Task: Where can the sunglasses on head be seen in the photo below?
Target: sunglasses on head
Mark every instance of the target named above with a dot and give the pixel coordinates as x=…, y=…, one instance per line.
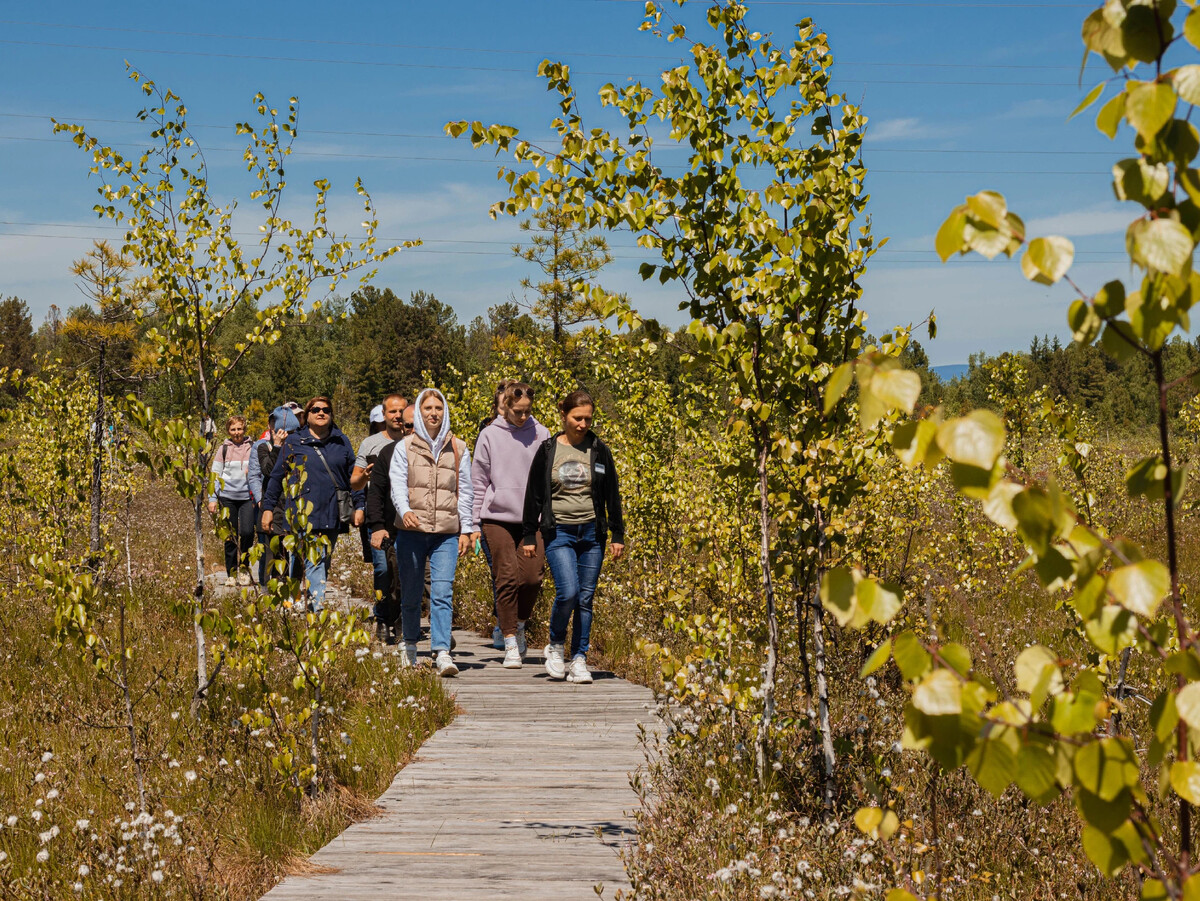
x=518, y=393
x=319, y=409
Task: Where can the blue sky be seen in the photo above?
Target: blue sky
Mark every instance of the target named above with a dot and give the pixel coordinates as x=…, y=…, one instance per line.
x=962, y=96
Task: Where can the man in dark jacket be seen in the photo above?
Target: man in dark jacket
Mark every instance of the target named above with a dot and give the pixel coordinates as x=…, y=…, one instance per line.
x=381, y=514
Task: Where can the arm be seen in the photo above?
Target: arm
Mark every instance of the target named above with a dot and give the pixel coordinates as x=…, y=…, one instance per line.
x=466, y=494
x=360, y=474
x=535, y=496
x=481, y=475
x=274, y=487
x=254, y=474
x=612, y=501
x=217, y=483
x=398, y=476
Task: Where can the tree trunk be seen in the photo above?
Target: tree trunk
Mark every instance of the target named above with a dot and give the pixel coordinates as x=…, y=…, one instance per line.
x=314, y=745
x=768, y=682
x=198, y=606
x=818, y=610
x=97, y=500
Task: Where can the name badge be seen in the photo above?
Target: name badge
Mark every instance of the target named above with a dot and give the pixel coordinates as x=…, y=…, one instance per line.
x=599, y=469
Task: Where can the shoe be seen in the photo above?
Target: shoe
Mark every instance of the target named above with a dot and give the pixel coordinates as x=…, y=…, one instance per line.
x=578, y=671
x=392, y=637
x=522, y=644
x=497, y=638
x=381, y=631
x=554, y=661
x=230, y=581
x=512, y=658
x=408, y=654
x=445, y=665
x=243, y=578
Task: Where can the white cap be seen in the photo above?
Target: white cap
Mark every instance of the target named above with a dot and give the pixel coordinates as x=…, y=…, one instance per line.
x=377, y=413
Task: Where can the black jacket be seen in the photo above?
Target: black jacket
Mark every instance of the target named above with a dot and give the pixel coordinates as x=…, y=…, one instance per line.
x=381, y=512
x=606, y=494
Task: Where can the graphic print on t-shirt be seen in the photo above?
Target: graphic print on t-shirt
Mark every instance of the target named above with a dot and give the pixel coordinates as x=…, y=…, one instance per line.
x=573, y=474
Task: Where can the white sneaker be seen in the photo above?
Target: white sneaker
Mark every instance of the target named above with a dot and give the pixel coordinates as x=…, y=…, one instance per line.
x=408, y=654
x=554, y=661
x=512, y=658
x=522, y=644
x=243, y=578
x=497, y=638
x=445, y=665
x=230, y=581
x=578, y=671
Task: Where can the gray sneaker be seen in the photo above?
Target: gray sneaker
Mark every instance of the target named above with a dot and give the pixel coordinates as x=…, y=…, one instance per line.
x=522, y=644
x=554, y=662
x=497, y=638
x=445, y=665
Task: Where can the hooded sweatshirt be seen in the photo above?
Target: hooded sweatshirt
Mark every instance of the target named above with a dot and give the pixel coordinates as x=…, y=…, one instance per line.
x=500, y=472
x=231, y=465
x=398, y=470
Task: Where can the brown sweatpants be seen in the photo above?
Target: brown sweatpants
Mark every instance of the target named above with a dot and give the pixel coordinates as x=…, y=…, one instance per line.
x=518, y=579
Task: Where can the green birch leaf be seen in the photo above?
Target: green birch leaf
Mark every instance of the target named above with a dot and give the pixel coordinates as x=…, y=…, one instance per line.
x=1035, y=772
x=1191, y=28
x=876, y=601
x=976, y=439
x=1031, y=664
x=838, y=382
x=910, y=655
x=1087, y=101
x=1140, y=587
x=878, y=658
x=993, y=765
x=1149, y=106
x=939, y=694
x=1186, y=80
x=1047, y=260
x=1185, y=779
x=1108, y=120
x=949, y=240
x=989, y=207
x=1107, y=853
x=1187, y=704
x=1160, y=244
x=837, y=594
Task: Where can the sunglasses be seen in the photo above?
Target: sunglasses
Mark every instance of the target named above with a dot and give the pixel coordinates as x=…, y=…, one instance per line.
x=312, y=410
x=518, y=393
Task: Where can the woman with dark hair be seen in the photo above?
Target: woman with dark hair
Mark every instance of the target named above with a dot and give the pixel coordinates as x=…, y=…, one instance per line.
x=503, y=454
x=231, y=492
x=326, y=458
x=573, y=499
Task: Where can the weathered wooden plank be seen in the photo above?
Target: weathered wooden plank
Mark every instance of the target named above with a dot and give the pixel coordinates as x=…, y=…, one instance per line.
x=525, y=794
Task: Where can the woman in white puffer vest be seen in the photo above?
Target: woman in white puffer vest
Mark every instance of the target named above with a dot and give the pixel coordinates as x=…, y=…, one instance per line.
x=431, y=491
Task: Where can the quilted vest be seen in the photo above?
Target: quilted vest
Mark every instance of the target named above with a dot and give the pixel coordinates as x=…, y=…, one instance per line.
x=433, y=485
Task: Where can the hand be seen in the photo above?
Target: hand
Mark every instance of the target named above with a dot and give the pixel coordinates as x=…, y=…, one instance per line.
x=367, y=470
x=617, y=550
x=529, y=550
x=358, y=517
x=278, y=438
x=411, y=521
x=377, y=539
x=212, y=507
x=268, y=517
x=464, y=544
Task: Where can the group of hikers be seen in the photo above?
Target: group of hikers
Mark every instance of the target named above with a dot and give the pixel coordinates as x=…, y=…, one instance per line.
x=421, y=500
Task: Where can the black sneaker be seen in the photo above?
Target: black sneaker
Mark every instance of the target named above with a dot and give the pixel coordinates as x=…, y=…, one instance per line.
x=392, y=637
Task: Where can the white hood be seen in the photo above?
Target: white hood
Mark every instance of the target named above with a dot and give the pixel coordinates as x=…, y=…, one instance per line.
x=435, y=443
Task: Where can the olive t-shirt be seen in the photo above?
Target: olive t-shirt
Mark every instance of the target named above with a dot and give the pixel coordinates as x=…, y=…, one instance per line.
x=571, y=481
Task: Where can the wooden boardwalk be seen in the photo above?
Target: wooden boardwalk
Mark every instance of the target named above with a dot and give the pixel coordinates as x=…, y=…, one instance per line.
x=525, y=795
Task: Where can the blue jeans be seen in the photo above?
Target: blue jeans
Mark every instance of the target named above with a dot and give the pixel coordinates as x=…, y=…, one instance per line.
x=575, y=558
x=381, y=580
x=315, y=573
x=412, y=550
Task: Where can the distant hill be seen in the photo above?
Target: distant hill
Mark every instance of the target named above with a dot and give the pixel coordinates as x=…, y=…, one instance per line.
x=951, y=371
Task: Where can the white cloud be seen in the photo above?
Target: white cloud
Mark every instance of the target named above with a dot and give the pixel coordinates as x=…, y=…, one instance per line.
x=898, y=130
x=1106, y=219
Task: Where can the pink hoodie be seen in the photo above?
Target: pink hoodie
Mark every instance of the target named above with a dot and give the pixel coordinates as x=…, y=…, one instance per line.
x=500, y=469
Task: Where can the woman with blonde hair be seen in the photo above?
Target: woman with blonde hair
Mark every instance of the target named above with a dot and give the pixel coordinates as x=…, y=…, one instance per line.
x=231, y=493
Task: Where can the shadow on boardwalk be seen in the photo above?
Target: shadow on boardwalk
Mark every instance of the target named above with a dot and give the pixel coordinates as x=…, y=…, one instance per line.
x=525, y=795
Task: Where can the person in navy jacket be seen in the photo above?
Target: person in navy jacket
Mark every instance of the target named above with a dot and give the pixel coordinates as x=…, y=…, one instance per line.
x=327, y=459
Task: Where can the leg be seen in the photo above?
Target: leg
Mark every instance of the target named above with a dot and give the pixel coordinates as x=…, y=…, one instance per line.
x=443, y=561
x=591, y=558
x=410, y=561
x=229, y=508
x=530, y=576
x=315, y=574
x=381, y=580
x=505, y=576
x=265, y=559
x=560, y=555
x=247, y=511
x=389, y=607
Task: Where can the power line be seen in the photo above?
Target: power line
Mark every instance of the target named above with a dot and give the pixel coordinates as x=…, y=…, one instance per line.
x=493, y=162
x=523, y=71
x=494, y=50
x=660, y=146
